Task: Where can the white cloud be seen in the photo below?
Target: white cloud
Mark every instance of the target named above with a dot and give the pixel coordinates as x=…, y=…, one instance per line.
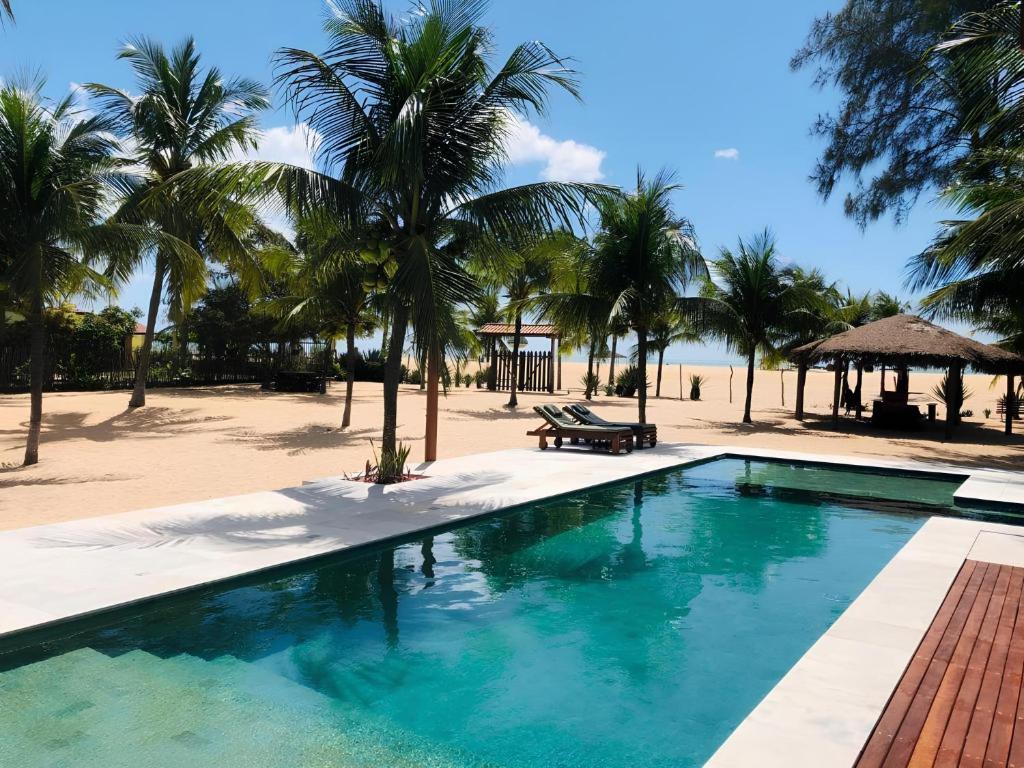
x=563, y=160
x=731, y=153
x=295, y=145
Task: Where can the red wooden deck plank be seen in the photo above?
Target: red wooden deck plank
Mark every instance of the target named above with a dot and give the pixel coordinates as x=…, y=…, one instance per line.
x=998, y=751
x=960, y=700
x=889, y=724
x=955, y=737
x=984, y=717
x=939, y=708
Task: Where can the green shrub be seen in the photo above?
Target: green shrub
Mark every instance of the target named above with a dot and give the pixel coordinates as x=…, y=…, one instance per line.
x=390, y=465
x=942, y=390
x=696, y=382
x=628, y=381
x=481, y=377
x=413, y=377
x=590, y=382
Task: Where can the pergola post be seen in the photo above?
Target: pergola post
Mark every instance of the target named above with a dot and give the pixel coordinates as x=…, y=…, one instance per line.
x=551, y=367
x=953, y=386
x=492, y=371
x=559, y=384
x=1011, y=404
x=837, y=391
x=801, y=380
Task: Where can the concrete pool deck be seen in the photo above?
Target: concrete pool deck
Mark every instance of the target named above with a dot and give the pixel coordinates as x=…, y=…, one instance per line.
x=819, y=714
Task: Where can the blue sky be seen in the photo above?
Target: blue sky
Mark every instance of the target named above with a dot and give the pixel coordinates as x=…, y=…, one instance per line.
x=664, y=83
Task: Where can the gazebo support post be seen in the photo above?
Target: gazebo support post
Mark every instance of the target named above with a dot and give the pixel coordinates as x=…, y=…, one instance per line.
x=801, y=380
x=857, y=391
x=558, y=385
x=837, y=391
x=1011, y=406
x=492, y=371
x=551, y=368
x=953, y=385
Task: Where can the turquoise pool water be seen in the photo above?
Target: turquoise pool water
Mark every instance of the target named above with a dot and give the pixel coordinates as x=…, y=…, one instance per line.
x=632, y=625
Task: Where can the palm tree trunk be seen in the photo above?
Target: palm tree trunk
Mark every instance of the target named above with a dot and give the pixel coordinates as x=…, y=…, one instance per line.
x=641, y=366
x=36, y=374
x=750, y=387
x=393, y=376
x=350, y=373
x=433, y=374
x=590, y=369
x=142, y=368
x=513, y=401
x=611, y=365
x=661, y=361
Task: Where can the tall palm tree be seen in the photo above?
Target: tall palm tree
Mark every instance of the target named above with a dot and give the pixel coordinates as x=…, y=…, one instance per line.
x=575, y=305
x=6, y=10
x=183, y=118
x=670, y=327
x=754, y=304
x=524, y=275
x=412, y=119
x=644, y=258
x=333, y=290
x=57, y=170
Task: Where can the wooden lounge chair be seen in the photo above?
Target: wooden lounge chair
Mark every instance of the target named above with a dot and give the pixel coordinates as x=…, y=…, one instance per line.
x=559, y=427
x=643, y=432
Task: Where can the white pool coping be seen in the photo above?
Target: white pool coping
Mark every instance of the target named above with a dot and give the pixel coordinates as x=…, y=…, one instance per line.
x=819, y=714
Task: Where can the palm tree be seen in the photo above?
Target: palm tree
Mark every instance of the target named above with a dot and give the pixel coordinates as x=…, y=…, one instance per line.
x=616, y=329
x=754, y=303
x=575, y=305
x=57, y=169
x=333, y=290
x=523, y=276
x=183, y=118
x=644, y=258
x=486, y=308
x=412, y=119
x=670, y=327
x=6, y=10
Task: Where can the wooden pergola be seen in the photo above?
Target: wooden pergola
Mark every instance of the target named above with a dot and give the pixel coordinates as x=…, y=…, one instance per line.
x=901, y=342
x=496, y=331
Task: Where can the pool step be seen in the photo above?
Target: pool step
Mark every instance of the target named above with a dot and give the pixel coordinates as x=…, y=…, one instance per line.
x=85, y=709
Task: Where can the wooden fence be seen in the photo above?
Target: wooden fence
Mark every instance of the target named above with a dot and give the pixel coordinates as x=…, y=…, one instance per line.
x=535, y=374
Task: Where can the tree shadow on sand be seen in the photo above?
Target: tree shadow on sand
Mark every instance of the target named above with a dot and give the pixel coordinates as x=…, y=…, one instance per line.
x=150, y=422
x=303, y=439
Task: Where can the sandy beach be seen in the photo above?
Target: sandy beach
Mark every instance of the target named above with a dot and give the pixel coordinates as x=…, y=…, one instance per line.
x=98, y=458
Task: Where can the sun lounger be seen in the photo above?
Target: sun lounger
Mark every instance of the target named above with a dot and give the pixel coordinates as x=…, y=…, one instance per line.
x=558, y=427
x=643, y=432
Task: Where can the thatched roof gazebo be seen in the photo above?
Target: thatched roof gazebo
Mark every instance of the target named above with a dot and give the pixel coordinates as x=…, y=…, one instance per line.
x=905, y=341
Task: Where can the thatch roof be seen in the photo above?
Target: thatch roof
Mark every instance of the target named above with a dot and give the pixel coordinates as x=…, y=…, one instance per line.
x=910, y=340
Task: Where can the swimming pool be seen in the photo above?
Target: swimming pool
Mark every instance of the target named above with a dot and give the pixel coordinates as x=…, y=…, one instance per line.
x=633, y=624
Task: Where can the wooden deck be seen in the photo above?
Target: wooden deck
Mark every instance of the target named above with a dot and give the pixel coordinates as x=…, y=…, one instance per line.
x=959, y=701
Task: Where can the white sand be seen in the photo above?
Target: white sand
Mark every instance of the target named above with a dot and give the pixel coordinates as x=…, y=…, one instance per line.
x=99, y=458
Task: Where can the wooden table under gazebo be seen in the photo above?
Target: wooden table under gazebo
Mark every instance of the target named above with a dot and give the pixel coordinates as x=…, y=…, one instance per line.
x=902, y=342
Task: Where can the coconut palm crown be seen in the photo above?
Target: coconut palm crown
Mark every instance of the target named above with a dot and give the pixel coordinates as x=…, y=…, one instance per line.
x=183, y=118
x=412, y=122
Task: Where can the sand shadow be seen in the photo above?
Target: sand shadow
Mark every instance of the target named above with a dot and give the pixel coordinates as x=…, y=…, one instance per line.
x=138, y=423
x=302, y=439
